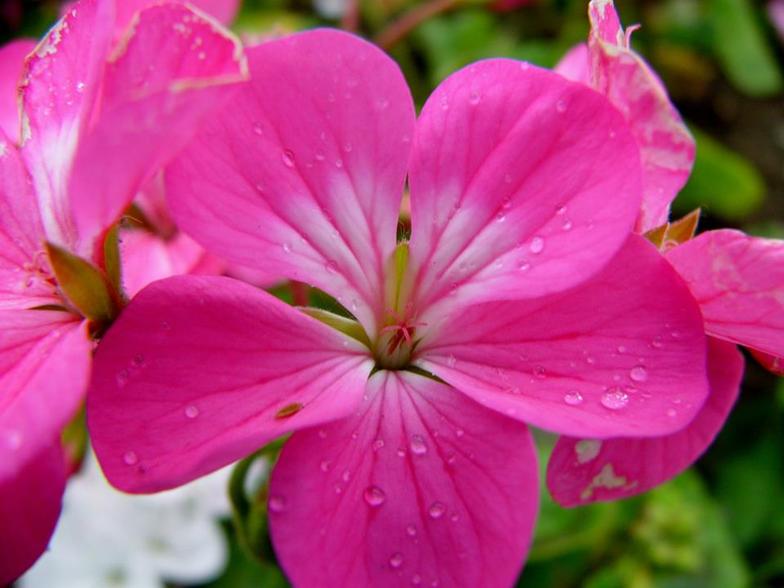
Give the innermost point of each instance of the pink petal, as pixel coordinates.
(488, 224)
(303, 173)
(222, 10)
(200, 371)
(44, 367)
(589, 470)
(29, 508)
(148, 114)
(776, 15)
(59, 90)
(772, 363)
(23, 265)
(12, 57)
(666, 146)
(420, 486)
(739, 283)
(575, 65)
(146, 257)
(621, 355)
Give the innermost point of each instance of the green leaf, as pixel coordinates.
(722, 182)
(740, 45)
(85, 286)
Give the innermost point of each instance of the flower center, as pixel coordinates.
(396, 341)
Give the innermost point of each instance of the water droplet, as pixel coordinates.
(451, 361)
(322, 434)
(475, 98)
(80, 87)
(567, 225)
(325, 465)
(455, 517)
(396, 560)
(638, 374)
(615, 399)
(539, 372)
(411, 531)
(416, 579)
(560, 106)
(192, 411)
(656, 343)
(374, 496)
(560, 211)
(331, 267)
(573, 398)
(444, 103)
(418, 445)
(276, 503)
(338, 163)
(288, 158)
(672, 413)
(500, 217)
(459, 433)
(258, 129)
(590, 360)
(436, 510)
(525, 266)
(138, 360)
(621, 349)
(346, 476)
(286, 248)
(348, 147)
(130, 458)
(382, 104)
(537, 245)
(122, 378)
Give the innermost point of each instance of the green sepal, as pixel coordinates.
(111, 259)
(345, 325)
(86, 287)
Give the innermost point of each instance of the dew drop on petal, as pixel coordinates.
(573, 398)
(451, 361)
(459, 432)
(331, 267)
(416, 579)
(560, 106)
(192, 411)
(286, 248)
(396, 560)
(537, 245)
(276, 503)
(130, 458)
(258, 130)
(325, 465)
(475, 98)
(378, 444)
(615, 399)
(346, 476)
(374, 496)
(411, 531)
(287, 157)
(418, 445)
(638, 374)
(436, 510)
(672, 413)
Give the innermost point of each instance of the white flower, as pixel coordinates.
(107, 539)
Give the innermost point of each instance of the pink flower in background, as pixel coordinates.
(521, 296)
(609, 65)
(97, 119)
(737, 280)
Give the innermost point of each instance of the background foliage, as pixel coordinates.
(721, 524)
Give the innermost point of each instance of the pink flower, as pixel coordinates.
(738, 282)
(521, 297)
(97, 119)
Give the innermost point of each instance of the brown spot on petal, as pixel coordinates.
(289, 410)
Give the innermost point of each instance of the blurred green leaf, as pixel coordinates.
(722, 182)
(740, 45)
